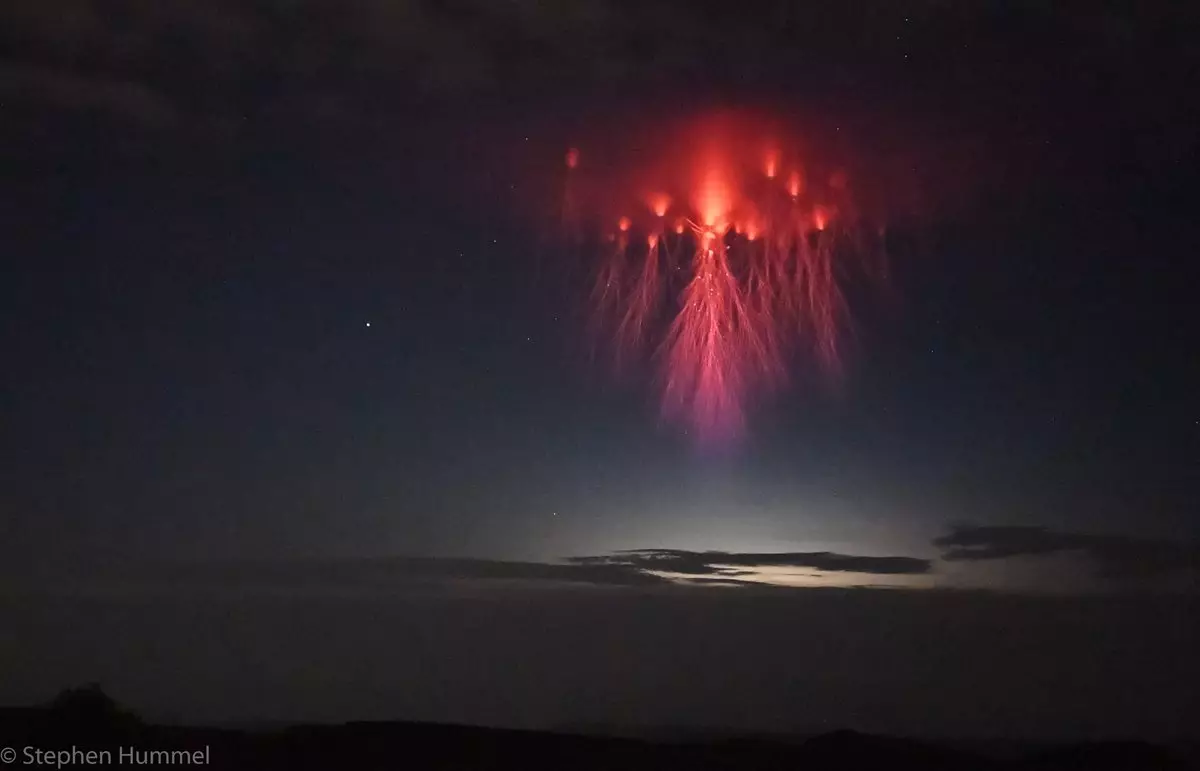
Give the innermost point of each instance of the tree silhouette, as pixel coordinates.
(88, 712)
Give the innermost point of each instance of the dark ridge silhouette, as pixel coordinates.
(853, 750)
(87, 719)
(1106, 756)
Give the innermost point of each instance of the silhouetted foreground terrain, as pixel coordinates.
(85, 719)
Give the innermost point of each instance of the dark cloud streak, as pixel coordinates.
(301, 575)
(726, 563)
(1115, 556)
(358, 575)
(66, 90)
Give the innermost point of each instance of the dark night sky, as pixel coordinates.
(268, 293)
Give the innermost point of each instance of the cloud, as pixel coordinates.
(229, 57)
(218, 59)
(645, 568)
(728, 564)
(349, 575)
(70, 91)
(1114, 556)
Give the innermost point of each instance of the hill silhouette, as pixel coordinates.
(86, 718)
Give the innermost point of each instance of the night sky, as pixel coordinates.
(279, 339)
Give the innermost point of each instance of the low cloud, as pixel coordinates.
(730, 564)
(1114, 556)
(349, 575)
(645, 568)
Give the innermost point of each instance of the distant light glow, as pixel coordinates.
(773, 575)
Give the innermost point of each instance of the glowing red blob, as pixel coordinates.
(821, 217)
(795, 184)
(713, 193)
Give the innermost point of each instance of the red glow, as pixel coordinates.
(572, 158)
(795, 184)
(744, 274)
(821, 216)
(713, 197)
(771, 167)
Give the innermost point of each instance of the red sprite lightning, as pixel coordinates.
(753, 246)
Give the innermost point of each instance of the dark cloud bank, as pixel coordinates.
(1118, 561)
(223, 59)
(399, 574)
(1114, 556)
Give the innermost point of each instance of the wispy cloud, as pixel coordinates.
(225, 56)
(1114, 556)
(348, 575)
(734, 564)
(641, 568)
(218, 58)
(67, 90)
